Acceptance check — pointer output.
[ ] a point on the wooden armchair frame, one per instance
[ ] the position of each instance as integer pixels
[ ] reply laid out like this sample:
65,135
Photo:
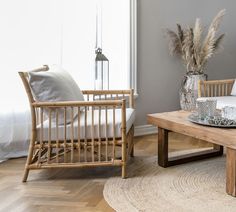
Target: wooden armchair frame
78,152
213,88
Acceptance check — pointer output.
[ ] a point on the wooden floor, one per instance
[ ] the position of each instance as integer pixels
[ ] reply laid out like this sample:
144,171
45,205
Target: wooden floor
70,189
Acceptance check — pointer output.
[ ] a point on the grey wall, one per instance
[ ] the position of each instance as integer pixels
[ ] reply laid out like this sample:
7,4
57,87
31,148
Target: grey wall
159,74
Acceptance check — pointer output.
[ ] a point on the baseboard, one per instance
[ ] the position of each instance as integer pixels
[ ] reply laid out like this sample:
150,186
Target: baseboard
144,130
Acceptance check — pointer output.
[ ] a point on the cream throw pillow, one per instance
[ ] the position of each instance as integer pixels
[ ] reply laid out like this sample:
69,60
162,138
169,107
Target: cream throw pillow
55,85
233,92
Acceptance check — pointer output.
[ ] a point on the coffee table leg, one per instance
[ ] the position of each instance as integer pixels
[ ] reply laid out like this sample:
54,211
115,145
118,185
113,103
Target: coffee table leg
163,147
231,171
165,161
219,148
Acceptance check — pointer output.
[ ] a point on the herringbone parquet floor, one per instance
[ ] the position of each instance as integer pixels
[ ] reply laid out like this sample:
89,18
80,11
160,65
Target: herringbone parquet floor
69,189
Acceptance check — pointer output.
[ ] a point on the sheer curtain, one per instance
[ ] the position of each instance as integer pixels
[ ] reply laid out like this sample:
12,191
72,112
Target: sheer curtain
28,39
116,40
79,36
37,32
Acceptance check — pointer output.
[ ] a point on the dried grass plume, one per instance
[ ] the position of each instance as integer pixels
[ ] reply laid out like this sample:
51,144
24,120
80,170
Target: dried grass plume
192,48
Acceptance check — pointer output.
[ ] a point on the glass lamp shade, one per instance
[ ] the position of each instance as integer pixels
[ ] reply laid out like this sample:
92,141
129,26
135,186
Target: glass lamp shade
101,71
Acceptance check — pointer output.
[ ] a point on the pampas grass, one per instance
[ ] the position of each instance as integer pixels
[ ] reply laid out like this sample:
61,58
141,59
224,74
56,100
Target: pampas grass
192,48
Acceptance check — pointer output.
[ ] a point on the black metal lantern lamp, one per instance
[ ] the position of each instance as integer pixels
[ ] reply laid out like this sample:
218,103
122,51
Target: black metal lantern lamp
101,71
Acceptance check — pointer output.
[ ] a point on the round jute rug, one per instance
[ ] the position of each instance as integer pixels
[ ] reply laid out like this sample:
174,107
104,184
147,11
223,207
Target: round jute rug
196,186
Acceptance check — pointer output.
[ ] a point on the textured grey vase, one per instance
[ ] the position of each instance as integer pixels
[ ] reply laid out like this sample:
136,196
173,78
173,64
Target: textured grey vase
189,90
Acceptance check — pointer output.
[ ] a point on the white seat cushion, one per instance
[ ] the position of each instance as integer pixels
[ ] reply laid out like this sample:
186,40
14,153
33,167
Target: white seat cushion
130,117
233,91
222,101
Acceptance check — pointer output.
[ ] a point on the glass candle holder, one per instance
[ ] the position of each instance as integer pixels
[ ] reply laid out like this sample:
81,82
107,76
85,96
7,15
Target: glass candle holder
211,104
229,112
202,109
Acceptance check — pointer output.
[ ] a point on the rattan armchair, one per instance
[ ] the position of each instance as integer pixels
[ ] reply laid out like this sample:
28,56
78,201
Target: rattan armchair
98,136
213,88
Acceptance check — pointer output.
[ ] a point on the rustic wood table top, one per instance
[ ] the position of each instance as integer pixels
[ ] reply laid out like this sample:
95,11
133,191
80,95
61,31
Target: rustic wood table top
177,121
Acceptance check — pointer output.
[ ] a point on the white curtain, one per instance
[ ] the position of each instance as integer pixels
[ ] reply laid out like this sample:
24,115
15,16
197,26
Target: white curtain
116,40
38,32
28,39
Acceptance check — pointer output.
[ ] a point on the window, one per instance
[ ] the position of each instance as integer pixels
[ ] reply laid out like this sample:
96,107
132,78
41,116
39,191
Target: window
79,39
37,32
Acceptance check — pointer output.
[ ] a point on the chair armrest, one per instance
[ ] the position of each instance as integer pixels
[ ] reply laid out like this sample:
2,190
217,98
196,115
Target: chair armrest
85,105
103,92
69,105
213,88
111,94
78,103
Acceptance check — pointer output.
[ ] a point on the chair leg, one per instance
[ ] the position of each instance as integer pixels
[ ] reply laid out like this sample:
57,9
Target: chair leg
29,160
132,142
25,176
132,151
124,171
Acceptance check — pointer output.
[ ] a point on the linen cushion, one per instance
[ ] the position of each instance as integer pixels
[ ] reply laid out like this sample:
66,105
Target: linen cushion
55,85
130,118
233,91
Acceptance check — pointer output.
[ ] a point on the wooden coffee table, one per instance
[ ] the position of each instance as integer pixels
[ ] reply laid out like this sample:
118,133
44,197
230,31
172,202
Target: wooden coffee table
177,121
